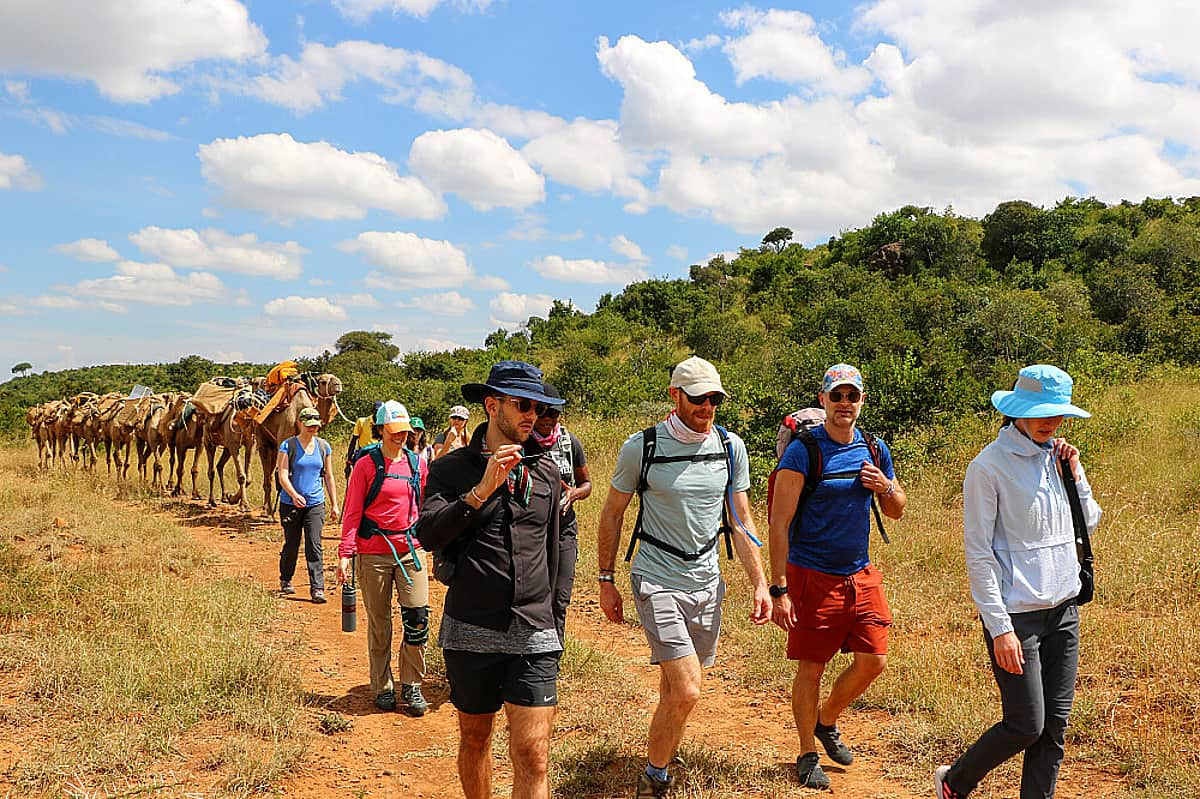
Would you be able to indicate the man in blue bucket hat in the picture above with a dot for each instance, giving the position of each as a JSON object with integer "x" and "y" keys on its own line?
{"x": 1024, "y": 569}
{"x": 491, "y": 510}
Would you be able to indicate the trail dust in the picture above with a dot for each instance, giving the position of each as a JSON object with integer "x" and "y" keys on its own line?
{"x": 390, "y": 754}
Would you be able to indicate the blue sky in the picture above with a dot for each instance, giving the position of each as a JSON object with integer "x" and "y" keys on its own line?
{"x": 249, "y": 180}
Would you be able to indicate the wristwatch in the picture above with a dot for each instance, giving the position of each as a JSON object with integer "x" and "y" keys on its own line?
{"x": 777, "y": 591}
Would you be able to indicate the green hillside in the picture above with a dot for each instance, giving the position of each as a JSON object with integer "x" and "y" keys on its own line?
{"x": 936, "y": 308}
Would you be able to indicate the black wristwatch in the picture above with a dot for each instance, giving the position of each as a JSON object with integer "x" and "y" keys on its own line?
{"x": 777, "y": 591}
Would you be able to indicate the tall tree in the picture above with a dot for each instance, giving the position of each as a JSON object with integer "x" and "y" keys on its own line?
{"x": 23, "y": 368}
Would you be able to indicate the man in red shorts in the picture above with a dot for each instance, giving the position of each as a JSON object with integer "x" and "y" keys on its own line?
{"x": 826, "y": 593}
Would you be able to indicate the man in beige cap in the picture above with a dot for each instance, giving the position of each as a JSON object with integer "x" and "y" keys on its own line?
{"x": 685, "y": 470}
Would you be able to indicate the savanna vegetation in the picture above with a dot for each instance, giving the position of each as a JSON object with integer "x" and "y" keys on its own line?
{"x": 938, "y": 310}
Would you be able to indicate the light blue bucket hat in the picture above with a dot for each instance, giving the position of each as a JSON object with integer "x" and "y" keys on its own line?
{"x": 1041, "y": 391}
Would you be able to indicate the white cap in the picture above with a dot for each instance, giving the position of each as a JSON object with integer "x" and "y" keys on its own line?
{"x": 697, "y": 376}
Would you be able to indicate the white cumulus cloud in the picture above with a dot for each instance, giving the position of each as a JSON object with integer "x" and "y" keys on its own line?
{"x": 94, "y": 250}
{"x": 630, "y": 249}
{"x": 219, "y": 251}
{"x": 16, "y": 173}
{"x": 55, "y": 302}
{"x": 449, "y": 303}
{"x": 409, "y": 261}
{"x": 361, "y": 10}
{"x": 286, "y": 179}
{"x": 588, "y": 154}
{"x": 491, "y": 283}
{"x": 478, "y": 166}
{"x": 321, "y": 72}
{"x": 786, "y": 46}
{"x": 586, "y": 270}
{"x": 512, "y": 310}
{"x": 294, "y": 307}
{"x": 152, "y": 284}
{"x": 127, "y": 48}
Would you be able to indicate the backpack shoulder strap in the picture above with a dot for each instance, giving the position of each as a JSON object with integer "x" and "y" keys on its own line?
{"x": 376, "y": 456}
{"x": 649, "y": 444}
{"x": 726, "y": 526}
{"x": 293, "y": 453}
{"x": 872, "y": 442}
{"x": 414, "y": 470}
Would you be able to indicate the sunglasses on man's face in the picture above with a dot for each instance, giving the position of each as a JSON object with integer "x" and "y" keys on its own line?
{"x": 525, "y": 405}
{"x": 713, "y": 399}
{"x": 852, "y": 395}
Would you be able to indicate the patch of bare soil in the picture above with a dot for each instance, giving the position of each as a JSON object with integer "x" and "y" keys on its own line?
{"x": 394, "y": 755}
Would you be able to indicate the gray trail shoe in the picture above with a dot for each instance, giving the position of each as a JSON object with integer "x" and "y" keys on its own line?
{"x": 411, "y": 695}
{"x": 285, "y": 587}
{"x": 650, "y": 788}
{"x": 831, "y": 739}
{"x": 809, "y": 770}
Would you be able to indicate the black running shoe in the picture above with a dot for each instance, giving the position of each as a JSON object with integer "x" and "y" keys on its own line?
{"x": 810, "y": 772}
{"x": 831, "y": 739}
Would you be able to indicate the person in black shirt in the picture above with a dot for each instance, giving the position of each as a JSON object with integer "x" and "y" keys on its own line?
{"x": 492, "y": 510}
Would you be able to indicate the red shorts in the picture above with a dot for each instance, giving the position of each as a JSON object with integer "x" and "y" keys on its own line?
{"x": 834, "y": 613}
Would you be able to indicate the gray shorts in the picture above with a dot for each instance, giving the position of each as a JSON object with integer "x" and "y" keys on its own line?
{"x": 679, "y": 623}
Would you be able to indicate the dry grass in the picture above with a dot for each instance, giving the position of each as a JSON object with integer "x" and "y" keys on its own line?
{"x": 74, "y": 603}
{"x": 118, "y": 639}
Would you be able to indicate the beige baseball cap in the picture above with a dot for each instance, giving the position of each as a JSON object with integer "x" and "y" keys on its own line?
{"x": 697, "y": 376}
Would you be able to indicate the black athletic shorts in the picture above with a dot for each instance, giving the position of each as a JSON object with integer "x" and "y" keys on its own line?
{"x": 482, "y": 682}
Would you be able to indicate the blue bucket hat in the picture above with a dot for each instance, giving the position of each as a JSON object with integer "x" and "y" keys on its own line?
{"x": 1041, "y": 391}
{"x": 514, "y": 379}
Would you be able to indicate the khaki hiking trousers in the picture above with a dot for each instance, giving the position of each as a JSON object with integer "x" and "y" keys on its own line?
{"x": 378, "y": 578}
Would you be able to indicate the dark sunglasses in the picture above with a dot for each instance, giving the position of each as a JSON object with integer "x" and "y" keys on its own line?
{"x": 852, "y": 395}
{"x": 713, "y": 399}
{"x": 525, "y": 405}
{"x": 550, "y": 412}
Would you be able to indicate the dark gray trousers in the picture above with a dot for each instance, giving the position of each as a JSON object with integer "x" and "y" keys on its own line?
{"x": 1036, "y": 705}
{"x": 303, "y": 523}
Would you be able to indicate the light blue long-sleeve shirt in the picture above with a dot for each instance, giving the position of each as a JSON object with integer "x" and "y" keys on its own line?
{"x": 1017, "y": 532}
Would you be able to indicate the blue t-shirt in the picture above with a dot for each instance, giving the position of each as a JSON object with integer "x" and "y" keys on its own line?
{"x": 833, "y": 532}
{"x": 305, "y": 473}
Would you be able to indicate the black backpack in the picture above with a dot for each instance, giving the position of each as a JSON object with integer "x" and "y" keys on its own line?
{"x": 649, "y": 444}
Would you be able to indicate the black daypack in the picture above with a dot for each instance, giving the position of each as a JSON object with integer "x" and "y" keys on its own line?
{"x": 649, "y": 444}
{"x": 816, "y": 473}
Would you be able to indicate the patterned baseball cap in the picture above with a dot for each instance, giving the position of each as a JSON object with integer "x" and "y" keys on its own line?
{"x": 841, "y": 374}
{"x": 310, "y": 417}
{"x": 393, "y": 417}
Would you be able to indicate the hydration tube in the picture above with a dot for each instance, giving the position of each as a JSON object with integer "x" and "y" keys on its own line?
{"x": 737, "y": 519}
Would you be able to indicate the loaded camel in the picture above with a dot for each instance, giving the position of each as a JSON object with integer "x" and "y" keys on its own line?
{"x": 280, "y": 425}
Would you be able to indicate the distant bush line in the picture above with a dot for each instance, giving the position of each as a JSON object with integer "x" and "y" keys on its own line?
{"x": 937, "y": 309}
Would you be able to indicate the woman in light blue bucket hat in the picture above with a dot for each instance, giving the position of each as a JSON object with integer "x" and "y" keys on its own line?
{"x": 1024, "y": 576}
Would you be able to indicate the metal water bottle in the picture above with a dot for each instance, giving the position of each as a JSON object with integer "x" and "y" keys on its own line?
{"x": 349, "y": 603}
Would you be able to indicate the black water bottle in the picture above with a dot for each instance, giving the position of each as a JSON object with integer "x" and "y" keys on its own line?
{"x": 349, "y": 603}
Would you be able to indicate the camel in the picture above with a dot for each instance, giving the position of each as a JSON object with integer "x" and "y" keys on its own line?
{"x": 281, "y": 425}
{"x": 185, "y": 436}
{"x": 118, "y": 425}
{"x": 60, "y": 427}
{"x": 83, "y": 429}
{"x": 223, "y": 430}
{"x": 152, "y": 436}
{"x": 41, "y": 421}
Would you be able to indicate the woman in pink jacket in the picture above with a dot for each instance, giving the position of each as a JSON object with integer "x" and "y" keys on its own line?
{"x": 383, "y": 499}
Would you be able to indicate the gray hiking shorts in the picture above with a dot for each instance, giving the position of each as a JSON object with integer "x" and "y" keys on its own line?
{"x": 679, "y": 623}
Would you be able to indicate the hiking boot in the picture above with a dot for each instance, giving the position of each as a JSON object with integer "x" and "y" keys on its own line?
{"x": 285, "y": 587}
{"x": 831, "y": 739}
{"x": 318, "y": 597}
{"x": 941, "y": 788}
{"x": 386, "y": 700}
{"x": 411, "y": 695}
{"x": 651, "y": 788}
{"x": 810, "y": 772}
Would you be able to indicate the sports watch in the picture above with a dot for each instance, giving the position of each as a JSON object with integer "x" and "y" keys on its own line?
{"x": 777, "y": 591}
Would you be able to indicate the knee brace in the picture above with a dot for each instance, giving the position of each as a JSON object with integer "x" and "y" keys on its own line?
{"x": 416, "y": 625}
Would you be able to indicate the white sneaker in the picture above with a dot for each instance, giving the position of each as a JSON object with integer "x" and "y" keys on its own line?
{"x": 940, "y": 789}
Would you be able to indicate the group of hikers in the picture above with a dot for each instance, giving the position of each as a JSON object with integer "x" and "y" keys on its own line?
{"x": 495, "y": 508}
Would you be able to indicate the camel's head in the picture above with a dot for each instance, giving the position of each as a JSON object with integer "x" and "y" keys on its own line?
{"x": 328, "y": 386}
